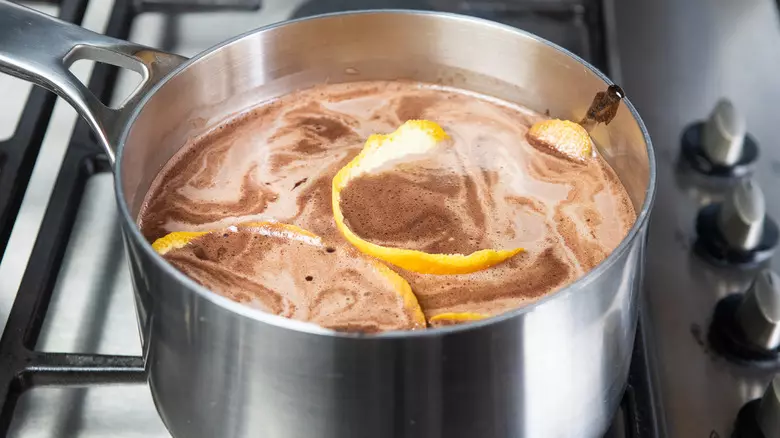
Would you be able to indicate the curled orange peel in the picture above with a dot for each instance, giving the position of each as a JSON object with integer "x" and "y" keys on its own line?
{"x": 455, "y": 318}
{"x": 414, "y": 137}
{"x": 175, "y": 240}
{"x": 179, "y": 239}
{"x": 561, "y": 137}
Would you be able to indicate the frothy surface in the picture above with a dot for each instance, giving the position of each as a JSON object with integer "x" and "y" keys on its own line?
{"x": 490, "y": 189}
{"x": 335, "y": 287}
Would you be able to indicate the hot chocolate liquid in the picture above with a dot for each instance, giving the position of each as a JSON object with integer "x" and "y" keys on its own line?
{"x": 489, "y": 188}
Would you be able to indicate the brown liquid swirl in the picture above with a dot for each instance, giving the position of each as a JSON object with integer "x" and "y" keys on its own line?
{"x": 489, "y": 189}
{"x": 334, "y": 287}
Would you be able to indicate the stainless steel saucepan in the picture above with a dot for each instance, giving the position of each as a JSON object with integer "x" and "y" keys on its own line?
{"x": 216, "y": 368}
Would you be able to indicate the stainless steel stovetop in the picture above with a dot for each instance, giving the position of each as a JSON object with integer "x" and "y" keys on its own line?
{"x": 676, "y": 59}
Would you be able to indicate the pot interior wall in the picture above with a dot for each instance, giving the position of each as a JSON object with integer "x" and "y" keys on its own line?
{"x": 450, "y": 50}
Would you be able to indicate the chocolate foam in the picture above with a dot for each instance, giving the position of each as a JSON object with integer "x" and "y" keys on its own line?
{"x": 333, "y": 286}
{"x": 489, "y": 189}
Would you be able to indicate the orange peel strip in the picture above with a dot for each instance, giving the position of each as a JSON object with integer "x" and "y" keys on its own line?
{"x": 179, "y": 239}
{"x": 412, "y": 138}
{"x": 455, "y": 318}
{"x": 175, "y": 240}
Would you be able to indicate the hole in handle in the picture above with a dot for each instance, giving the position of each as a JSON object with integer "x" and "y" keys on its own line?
{"x": 127, "y": 82}
{"x": 132, "y": 72}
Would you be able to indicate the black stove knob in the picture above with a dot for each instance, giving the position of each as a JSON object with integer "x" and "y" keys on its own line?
{"x": 746, "y": 327}
{"x": 737, "y": 231}
{"x": 761, "y": 418}
{"x": 720, "y": 146}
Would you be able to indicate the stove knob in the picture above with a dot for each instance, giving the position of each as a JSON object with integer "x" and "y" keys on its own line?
{"x": 758, "y": 315}
{"x": 720, "y": 146}
{"x": 737, "y": 231}
{"x": 724, "y": 134}
{"x": 769, "y": 410}
{"x": 760, "y": 418}
{"x": 741, "y": 216}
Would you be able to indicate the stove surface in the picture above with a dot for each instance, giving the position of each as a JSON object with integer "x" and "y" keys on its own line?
{"x": 678, "y": 59}
{"x": 91, "y": 309}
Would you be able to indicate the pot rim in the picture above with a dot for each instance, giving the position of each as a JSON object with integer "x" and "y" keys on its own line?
{"x": 310, "y": 328}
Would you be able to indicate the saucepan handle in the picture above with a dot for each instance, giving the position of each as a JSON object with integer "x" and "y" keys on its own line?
{"x": 39, "y": 48}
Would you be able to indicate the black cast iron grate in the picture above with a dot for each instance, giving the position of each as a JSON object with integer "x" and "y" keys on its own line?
{"x": 22, "y": 367}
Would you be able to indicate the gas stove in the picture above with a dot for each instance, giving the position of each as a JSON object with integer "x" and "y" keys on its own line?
{"x": 69, "y": 354}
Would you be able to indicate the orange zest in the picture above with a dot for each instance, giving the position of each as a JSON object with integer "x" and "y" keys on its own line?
{"x": 414, "y": 137}
{"x": 179, "y": 239}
